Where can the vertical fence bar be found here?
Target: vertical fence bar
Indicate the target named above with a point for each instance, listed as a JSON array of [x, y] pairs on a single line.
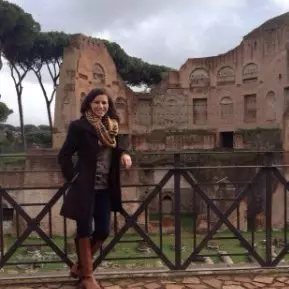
[[285, 215], [1, 225], [238, 217], [65, 232], [253, 228], [146, 220], [268, 208], [161, 219], [195, 219], [208, 219], [17, 225], [115, 226], [50, 223], [65, 247], [177, 207]]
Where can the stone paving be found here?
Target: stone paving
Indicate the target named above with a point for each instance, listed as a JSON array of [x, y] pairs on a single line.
[[230, 281]]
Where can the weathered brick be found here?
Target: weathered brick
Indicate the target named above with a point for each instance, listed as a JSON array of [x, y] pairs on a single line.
[[282, 279], [256, 284], [168, 282], [106, 283], [152, 285], [138, 284], [248, 286], [242, 279], [264, 279], [198, 286], [232, 287], [231, 283], [174, 286], [278, 284], [214, 283], [124, 282], [224, 278], [113, 287], [191, 280]]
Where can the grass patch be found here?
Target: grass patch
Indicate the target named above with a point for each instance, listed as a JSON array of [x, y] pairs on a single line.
[[9, 159], [129, 249]]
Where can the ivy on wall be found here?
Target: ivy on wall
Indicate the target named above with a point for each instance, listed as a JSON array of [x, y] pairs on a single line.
[[159, 135], [261, 138]]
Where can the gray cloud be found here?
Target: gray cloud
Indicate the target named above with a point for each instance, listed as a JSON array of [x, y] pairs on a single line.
[[164, 32]]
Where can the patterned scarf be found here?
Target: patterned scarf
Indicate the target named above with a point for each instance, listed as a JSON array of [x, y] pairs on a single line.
[[106, 129]]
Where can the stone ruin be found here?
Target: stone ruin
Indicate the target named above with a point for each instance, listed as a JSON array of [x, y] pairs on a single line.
[[219, 97], [222, 99]]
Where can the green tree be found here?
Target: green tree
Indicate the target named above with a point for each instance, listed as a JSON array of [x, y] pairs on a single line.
[[17, 37], [5, 111], [47, 55], [39, 138], [44, 127], [18, 71], [133, 70], [30, 128], [7, 126], [10, 136], [17, 30]]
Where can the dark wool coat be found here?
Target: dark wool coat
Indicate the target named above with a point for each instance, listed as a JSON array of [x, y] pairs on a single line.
[[79, 198]]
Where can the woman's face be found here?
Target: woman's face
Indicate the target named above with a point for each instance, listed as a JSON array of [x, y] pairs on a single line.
[[99, 105]]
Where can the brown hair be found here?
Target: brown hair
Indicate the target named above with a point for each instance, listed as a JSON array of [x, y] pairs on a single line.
[[85, 106]]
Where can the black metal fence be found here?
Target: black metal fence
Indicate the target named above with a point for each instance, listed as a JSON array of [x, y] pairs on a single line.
[[183, 209]]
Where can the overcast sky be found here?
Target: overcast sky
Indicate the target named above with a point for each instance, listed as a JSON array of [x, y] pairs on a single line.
[[158, 31]]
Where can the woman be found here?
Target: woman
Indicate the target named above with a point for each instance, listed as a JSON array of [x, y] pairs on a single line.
[[95, 189]]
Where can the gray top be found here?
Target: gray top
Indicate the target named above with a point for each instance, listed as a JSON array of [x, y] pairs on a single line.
[[102, 168]]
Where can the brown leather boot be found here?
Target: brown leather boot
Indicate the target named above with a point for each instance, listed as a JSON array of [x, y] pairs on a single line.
[[75, 271], [85, 258]]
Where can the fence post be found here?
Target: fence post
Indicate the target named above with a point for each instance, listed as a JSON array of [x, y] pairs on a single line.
[[177, 210], [268, 207], [1, 225]]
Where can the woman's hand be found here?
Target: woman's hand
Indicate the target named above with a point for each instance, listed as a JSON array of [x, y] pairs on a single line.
[[126, 160]]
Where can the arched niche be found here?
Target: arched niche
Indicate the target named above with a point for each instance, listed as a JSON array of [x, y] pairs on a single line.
[[227, 108], [250, 72], [167, 202], [199, 78], [270, 109], [82, 97], [98, 74], [225, 75], [121, 107]]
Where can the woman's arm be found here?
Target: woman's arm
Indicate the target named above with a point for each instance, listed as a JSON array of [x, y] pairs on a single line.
[[124, 156], [66, 152]]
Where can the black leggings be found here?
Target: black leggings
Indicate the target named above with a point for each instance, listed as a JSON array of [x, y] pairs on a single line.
[[101, 218]]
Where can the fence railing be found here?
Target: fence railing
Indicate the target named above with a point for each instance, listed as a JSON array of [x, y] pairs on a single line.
[[181, 210]]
